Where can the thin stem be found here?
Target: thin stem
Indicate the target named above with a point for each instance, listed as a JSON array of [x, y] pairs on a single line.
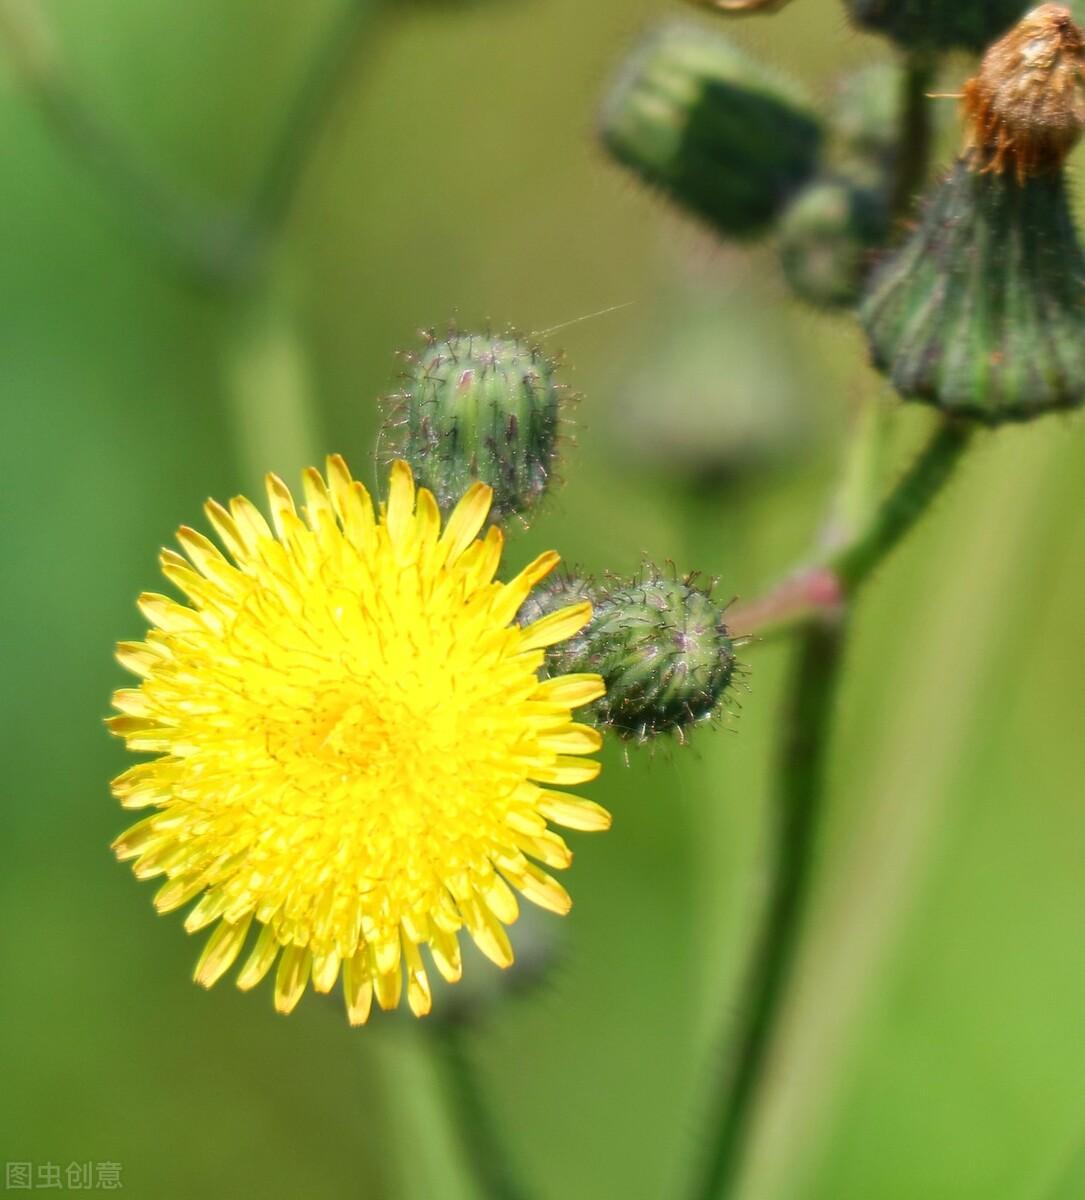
[[908, 501], [914, 153], [799, 802], [483, 1146]]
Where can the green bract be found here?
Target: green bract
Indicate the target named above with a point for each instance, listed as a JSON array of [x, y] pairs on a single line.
[[725, 138], [980, 312]]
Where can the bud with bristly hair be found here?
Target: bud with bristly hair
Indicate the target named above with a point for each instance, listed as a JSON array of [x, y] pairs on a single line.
[[478, 407], [720, 135], [981, 311], [660, 643]]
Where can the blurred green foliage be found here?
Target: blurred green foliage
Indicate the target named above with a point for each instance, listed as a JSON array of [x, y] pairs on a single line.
[[935, 1047]]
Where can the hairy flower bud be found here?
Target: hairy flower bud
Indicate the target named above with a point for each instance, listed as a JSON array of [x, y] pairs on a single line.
[[723, 137], [937, 24], [826, 239], [980, 312], [663, 649], [1026, 106], [478, 407]]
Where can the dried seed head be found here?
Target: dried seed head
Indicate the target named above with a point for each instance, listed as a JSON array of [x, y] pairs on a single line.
[[1026, 106]]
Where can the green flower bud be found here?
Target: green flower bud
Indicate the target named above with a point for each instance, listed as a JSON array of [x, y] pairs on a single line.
[[826, 239], [478, 407], [864, 119], [722, 136], [661, 646], [980, 312], [934, 25]]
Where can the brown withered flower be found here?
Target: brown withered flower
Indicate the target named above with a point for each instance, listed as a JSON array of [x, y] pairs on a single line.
[[1026, 106]]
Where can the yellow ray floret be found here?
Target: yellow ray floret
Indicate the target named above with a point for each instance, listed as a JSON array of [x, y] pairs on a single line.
[[357, 757]]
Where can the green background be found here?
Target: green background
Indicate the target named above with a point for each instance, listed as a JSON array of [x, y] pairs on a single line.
[[934, 1048]]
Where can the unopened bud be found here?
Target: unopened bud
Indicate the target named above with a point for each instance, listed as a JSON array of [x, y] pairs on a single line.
[[933, 25], [663, 650], [723, 137], [478, 407], [826, 240]]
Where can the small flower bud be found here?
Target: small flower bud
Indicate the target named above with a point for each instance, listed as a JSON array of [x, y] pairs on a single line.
[[723, 137], [826, 239], [980, 312], [1026, 106], [478, 407], [932, 25], [663, 650]]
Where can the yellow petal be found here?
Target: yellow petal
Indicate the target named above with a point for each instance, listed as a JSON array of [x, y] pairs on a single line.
[[556, 626], [222, 947], [291, 977]]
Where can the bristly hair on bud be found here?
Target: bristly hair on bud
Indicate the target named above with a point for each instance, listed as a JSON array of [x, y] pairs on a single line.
[[1026, 106], [980, 311], [662, 646], [478, 407], [723, 137]]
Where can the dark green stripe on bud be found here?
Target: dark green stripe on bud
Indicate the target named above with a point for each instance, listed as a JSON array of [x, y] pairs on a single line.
[[722, 136], [981, 311], [478, 407], [660, 644], [937, 24]]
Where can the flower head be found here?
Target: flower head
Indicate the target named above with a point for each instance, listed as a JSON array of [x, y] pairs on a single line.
[[356, 751]]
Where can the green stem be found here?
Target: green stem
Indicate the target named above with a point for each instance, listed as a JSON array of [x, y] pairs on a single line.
[[914, 154], [483, 1145], [908, 502], [801, 791], [799, 801]]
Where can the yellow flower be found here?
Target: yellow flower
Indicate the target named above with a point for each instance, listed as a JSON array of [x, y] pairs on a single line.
[[357, 752]]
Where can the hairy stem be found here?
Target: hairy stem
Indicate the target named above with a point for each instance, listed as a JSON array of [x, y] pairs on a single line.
[[483, 1145]]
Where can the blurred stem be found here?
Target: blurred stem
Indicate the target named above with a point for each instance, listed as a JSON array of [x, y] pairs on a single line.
[[821, 606], [220, 247], [800, 796], [482, 1143], [917, 134]]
